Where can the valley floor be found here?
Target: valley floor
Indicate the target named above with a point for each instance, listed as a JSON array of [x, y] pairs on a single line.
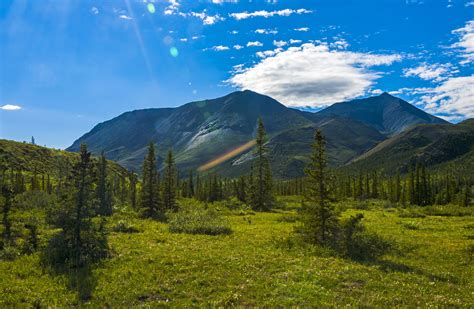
[[257, 265]]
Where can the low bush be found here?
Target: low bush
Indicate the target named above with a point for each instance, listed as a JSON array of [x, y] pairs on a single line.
[[359, 244], [198, 221], [124, 227]]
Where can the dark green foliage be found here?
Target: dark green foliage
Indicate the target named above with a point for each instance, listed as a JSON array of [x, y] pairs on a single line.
[[319, 218], [169, 183], [261, 195], [6, 220], [103, 188], [124, 227], [82, 239], [197, 220], [359, 244], [133, 180], [150, 199]]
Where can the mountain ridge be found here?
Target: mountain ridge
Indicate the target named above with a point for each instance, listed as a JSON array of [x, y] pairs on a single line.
[[200, 131]]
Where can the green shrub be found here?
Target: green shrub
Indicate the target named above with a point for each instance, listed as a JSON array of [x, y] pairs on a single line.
[[9, 253], [359, 244], [235, 204], [124, 227], [411, 213], [287, 218], [198, 221], [410, 225]]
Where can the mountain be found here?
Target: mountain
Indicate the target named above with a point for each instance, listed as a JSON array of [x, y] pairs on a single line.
[[199, 132], [434, 145], [386, 113]]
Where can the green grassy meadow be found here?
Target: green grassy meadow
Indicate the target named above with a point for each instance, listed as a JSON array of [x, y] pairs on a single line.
[[259, 264]]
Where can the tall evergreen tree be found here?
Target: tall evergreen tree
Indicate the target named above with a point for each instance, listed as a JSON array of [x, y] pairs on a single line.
[[262, 196], [169, 183], [103, 189], [7, 195], [190, 185], [319, 218], [81, 240], [132, 178], [150, 200]]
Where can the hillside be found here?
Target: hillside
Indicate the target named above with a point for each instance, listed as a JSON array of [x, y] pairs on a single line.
[[431, 144], [41, 160], [199, 132], [386, 113]]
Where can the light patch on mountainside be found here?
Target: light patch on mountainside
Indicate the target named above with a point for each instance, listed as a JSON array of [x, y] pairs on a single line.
[[313, 75]]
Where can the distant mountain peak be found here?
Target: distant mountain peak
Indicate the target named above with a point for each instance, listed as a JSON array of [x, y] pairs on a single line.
[[386, 113]]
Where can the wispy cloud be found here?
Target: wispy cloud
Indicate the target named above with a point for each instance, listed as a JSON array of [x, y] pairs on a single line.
[[266, 14], [313, 75], [94, 10], [172, 8], [279, 43], [206, 19], [238, 47], [435, 72], [123, 16], [10, 107], [452, 97], [254, 44], [465, 44], [266, 31], [218, 48], [303, 29]]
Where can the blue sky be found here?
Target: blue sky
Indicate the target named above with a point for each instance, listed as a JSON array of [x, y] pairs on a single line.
[[67, 65]]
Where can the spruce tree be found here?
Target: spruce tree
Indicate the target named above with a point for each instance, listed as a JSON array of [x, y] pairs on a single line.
[[262, 195], [320, 220], [190, 185], [150, 201], [132, 177], [7, 195], [103, 190], [169, 183], [81, 239]]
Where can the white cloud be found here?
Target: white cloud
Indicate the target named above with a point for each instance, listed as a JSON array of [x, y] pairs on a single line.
[[94, 10], [218, 48], [266, 31], [238, 47], [279, 43], [376, 91], [302, 29], [465, 45], [292, 41], [339, 44], [254, 43], [269, 53], [223, 1], [123, 16], [266, 14], [436, 72], [206, 19], [470, 3], [454, 98], [313, 75], [234, 32], [183, 39], [10, 107], [172, 8]]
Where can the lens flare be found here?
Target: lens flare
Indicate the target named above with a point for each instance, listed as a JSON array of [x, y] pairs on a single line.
[[230, 154], [174, 52], [151, 8]]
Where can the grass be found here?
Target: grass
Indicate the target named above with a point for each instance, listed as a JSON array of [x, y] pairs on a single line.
[[250, 266]]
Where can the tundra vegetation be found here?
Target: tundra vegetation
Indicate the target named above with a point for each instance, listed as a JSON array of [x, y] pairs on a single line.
[[84, 231]]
